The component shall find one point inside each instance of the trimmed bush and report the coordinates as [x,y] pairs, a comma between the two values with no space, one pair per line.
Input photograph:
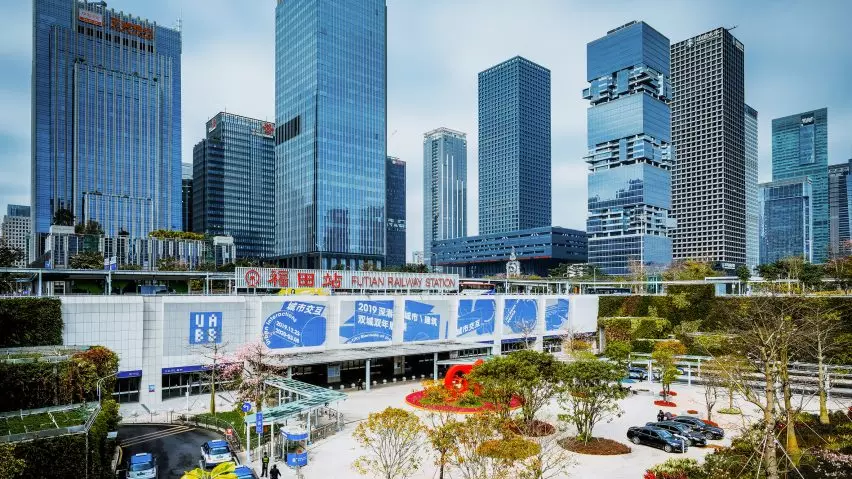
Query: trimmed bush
[30,322]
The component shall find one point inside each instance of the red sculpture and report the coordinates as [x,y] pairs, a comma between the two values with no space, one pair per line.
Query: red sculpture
[456,381]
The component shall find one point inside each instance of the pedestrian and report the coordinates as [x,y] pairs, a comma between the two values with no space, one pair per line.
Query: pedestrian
[274,473]
[264,465]
[660,415]
[360,384]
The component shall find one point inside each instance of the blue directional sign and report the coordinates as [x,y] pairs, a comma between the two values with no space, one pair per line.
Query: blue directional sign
[246,406]
[258,422]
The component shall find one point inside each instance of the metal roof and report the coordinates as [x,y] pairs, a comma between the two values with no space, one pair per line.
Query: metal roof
[310,397]
[374,352]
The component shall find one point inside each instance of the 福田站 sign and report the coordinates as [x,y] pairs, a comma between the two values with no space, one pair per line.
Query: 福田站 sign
[278,278]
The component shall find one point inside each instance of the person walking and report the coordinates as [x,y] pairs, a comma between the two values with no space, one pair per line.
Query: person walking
[264,465]
[660,415]
[274,473]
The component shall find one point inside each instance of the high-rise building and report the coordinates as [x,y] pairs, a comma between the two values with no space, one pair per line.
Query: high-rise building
[839,189]
[15,231]
[514,147]
[395,207]
[106,118]
[786,219]
[708,134]
[186,195]
[630,156]
[752,201]
[331,140]
[444,187]
[800,148]
[232,185]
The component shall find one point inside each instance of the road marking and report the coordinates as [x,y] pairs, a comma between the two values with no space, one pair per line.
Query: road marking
[159,435]
[154,433]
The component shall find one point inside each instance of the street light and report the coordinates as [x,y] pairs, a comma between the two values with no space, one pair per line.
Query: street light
[99,384]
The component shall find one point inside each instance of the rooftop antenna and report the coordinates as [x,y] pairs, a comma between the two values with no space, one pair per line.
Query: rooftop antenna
[729,29]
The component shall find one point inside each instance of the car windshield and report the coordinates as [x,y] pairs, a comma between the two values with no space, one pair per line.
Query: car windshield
[664,434]
[141,466]
[216,450]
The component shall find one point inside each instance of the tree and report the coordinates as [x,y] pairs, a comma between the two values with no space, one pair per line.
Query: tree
[63,217]
[10,466]
[171,264]
[214,359]
[466,459]
[683,270]
[619,353]
[664,356]
[224,470]
[87,260]
[821,329]
[590,395]
[743,273]
[550,462]
[250,367]
[540,379]
[90,227]
[840,269]
[392,438]
[442,438]
[500,378]
[811,275]
[711,381]
[8,257]
[769,272]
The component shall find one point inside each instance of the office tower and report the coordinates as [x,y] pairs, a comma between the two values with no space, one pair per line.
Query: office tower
[395,207]
[16,231]
[708,179]
[630,156]
[233,184]
[752,202]
[330,143]
[786,223]
[838,208]
[800,148]
[444,187]
[106,118]
[514,147]
[186,195]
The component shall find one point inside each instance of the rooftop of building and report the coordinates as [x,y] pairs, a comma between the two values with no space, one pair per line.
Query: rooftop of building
[513,60]
[443,131]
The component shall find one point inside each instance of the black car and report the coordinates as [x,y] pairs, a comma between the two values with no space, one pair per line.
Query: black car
[694,437]
[656,437]
[710,432]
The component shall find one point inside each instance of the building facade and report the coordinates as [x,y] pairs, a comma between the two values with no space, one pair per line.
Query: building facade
[444,187]
[839,194]
[106,118]
[233,183]
[395,207]
[514,147]
[786,223]
[708,134]
[331,140]
[186,196]
[15,231]
[537,249]
[800,148]
[752,200]
[630,154]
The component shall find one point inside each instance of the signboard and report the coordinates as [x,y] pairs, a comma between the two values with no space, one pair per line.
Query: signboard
[274,278]
[205,328]
[246,406]
[333,373]
[297,324]
[555,314]
[185,369]
[476,317]
[425,320]
[295,459]
[93,18]
[130,28]
[258,422]
[519,316]
[129,374]
[151,388]
[368,321]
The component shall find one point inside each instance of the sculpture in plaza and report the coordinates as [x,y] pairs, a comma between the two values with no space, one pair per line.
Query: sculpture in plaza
[455,381]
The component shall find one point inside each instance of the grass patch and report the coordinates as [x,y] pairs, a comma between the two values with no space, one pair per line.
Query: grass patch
[43,421]
[596,446]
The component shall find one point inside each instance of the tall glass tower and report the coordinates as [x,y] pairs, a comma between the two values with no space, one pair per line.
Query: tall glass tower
[800,148]
[751,194]
[444,187]
[786,219]
[395,204]
[839,196]
[514,147]
[630,154]
[106,121]
[330,140]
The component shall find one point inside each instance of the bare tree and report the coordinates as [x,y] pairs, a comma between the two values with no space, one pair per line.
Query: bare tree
[552,460]
[711,381]
[214,359]
[821,329]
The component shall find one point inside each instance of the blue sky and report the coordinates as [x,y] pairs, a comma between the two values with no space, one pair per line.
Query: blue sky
[798,58]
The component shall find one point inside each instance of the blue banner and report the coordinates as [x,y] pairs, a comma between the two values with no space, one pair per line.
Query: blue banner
[297,324]
[423,321]
[556,314]
[519,316]
[476,317]
[297,459]
[129,374]
[205,328]
[258,423]
[371,321]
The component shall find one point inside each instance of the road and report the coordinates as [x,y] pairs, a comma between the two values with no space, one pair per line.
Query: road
[176,448]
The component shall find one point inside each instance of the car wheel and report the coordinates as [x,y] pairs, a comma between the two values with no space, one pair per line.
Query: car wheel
[667,448]
[709,436]
[636,440]
[692,443]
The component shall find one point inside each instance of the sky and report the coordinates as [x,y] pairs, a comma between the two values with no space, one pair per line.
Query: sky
[798,57]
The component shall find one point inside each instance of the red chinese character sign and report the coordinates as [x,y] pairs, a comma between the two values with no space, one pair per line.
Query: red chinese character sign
[356,281]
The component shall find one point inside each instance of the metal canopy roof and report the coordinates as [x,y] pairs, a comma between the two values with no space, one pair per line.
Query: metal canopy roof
[355,354]
[310,397]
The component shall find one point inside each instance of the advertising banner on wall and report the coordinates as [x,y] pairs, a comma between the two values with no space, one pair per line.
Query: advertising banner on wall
[205,328]
[476,317]
[297,324]
[426,320]
[555,314]
[519,316]
[275,278]
[367,321]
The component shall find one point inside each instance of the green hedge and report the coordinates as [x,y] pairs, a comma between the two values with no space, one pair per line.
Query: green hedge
[30,322]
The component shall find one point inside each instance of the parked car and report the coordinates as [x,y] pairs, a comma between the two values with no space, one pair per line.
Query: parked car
[244,472]
[141,466]
[215,452]
[656,437]
[710,432]
[695,438]
[637,373]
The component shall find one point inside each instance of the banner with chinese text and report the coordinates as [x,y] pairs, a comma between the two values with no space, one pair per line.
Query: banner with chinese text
[426,320]
[476,317]
[519,316]
[367,321]
[296,324]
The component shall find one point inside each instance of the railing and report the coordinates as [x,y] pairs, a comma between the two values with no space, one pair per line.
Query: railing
[216,424]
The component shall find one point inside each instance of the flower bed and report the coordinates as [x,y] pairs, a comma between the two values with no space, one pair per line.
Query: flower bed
[665,404]
[534,428]
[710,423]
[415,399]
[596,446]
[691,411]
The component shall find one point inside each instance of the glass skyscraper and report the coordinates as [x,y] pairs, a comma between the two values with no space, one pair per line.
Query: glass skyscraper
[444,187]
[630,154]
[395,204]
[106,118]
[514,147]
[786,222]
[186,195]
[330,140]
[752,202]
[839,195]
[233,184]
[800,148]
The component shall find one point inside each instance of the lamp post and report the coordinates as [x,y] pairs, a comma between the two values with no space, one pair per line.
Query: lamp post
[99,384]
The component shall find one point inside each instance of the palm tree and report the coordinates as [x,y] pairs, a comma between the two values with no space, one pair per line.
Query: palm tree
[222,471]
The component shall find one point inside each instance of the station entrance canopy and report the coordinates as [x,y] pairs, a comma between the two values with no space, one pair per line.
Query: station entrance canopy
[310,398]
[357,354]
[281,278]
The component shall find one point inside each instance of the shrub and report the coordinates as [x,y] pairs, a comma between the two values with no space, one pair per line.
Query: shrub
[676,469]
[642,346]
[30,322]
[468,399]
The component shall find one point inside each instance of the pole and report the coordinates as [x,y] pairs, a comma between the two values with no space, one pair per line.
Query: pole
[367,364]
[435,367]
[248,444]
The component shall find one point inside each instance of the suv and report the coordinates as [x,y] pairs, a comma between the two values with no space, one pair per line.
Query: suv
[215,452]
[694,437]
[710,432]
[141,466]
[656,437]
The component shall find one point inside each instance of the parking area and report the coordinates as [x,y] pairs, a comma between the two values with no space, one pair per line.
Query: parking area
[176,449]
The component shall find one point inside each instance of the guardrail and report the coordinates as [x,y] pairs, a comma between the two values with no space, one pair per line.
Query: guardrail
[215,424]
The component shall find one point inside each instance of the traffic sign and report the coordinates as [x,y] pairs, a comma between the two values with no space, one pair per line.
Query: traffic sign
[258,422]
[246,406]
